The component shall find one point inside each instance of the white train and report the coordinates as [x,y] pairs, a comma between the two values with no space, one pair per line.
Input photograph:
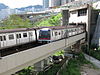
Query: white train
[49,34]
[15,37]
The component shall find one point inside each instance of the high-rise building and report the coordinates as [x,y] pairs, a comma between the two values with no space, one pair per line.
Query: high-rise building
[64,2]
[46,3]
[55,3]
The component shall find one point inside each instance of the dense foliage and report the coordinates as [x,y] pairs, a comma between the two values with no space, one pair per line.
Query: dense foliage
[92,51]
[73,66]
[14,21]
[54,20]
[26,71]
[59,53]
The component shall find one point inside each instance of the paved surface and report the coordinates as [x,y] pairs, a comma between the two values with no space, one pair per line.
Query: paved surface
[88,70]
[93,60]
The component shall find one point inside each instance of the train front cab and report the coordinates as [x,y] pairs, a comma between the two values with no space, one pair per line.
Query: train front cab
[45,35]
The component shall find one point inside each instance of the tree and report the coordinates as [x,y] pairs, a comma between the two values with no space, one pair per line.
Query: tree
[14,21]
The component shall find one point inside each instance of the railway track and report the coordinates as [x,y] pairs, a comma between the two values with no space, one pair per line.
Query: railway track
[12,50]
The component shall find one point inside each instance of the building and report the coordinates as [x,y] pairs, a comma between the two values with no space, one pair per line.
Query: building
[4,13]
[46,3]
[84,15]
[64,2]
[55,3]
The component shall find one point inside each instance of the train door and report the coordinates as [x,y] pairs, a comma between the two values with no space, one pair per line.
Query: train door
[2,40]
[18,38]
[31,36]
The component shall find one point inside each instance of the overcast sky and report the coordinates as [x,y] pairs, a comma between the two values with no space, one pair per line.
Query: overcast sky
[20,3]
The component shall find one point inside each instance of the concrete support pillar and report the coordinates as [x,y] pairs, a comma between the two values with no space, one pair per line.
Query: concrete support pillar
[67,52]
[46,62]
[65,17]
[42,64]
[76,47]
[39,66]
[0,54]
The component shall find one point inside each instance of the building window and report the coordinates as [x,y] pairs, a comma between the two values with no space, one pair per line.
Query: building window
[11,37]
[82,12]
[24,34]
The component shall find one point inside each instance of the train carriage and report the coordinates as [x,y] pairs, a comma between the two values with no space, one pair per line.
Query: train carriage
[14,37]
[50,34]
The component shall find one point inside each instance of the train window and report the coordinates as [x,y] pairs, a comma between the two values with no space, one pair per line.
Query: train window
[24,34]
[68,30]
[59,33]
[55,33]
[52,33]
[1,39]
[11,37]
[71,30]
[19,35]
[62,32]
[44,34]
[4,37]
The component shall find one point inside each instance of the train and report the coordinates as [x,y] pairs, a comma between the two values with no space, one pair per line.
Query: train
[20,36]
[50,34]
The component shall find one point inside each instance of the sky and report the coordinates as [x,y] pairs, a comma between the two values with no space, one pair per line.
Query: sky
[20,3]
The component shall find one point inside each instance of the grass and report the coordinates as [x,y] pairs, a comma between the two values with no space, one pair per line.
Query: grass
[91,51]
[73,66]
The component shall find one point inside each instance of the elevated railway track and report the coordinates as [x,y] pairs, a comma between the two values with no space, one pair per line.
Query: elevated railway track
[12,63]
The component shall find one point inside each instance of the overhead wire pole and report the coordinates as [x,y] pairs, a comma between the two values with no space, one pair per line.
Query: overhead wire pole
[65,22]
[88,33]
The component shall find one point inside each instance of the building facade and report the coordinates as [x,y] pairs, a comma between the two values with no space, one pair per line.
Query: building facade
[64,2]
[46,3]
[55,3]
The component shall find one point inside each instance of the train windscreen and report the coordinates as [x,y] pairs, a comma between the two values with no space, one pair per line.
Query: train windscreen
[45,35]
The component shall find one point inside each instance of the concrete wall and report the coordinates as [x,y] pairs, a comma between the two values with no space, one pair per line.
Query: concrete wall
[93,22]
[89,20]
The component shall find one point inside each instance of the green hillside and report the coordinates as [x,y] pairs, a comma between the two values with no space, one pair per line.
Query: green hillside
[15,21]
